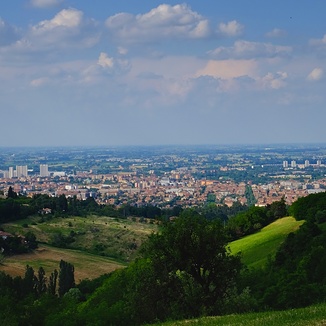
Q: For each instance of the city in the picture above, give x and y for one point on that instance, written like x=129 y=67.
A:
x=166 y=176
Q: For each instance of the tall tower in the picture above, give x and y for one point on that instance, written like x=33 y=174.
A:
x=44 y=170
x=11 y=172
x=21 y=171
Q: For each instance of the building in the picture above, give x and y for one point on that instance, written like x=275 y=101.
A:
x=21 y=171
x=293 y=164
x=11 y=172
x=285 y=164
x=44 y=170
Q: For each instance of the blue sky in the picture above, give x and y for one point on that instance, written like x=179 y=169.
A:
x=80 y=72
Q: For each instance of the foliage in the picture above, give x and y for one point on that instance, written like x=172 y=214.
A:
x=311 y=207
x=256 y=249
x=251 y=200
x=191 y=263
x=66 y=277
x=255 y=218
x=183 y=271
x=297 y=275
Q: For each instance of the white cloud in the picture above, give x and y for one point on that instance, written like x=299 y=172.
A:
x=274 y=81
x=68 y=28
x=231 y=28
x=105 y=61
x=317 y=42
x=65 y=18
x=276 y=32
x=227 y=69
x=45 y=3
x=165 y=21
x=122 y=50
x=104 y=68
x=246 y=49
x=39 y=81
x=315 y=74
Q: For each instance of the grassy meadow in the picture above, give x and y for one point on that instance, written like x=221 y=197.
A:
x=99 y=244
x=86 y=265
x=257 y=248
x=310 y=316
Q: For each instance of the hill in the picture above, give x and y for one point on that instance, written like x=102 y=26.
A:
x=314 y=315
x=257 y=248
x=94 y=245
x=87 y=266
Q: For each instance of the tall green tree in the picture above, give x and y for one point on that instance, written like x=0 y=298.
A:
x=52 y=286
x=11 y=193
x=41 y=281
x=66 y=277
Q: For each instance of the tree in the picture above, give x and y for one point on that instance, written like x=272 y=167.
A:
x=41 y=281
x=52 y=286
x=62 y=203
x=251 y=200
x=191 y=263
x=29 y=281
x=66 y=277
x=30 y=238
x=11 y=193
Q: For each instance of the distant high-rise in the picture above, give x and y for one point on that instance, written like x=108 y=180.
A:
x=318 y=162
x=306 y=163
x=44 y=170
x=11 y=172
x=293 y=164
x=21 y=171
x=285 y=164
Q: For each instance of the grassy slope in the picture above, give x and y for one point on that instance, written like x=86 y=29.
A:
x=86 y=265
x=118 y=240
x=314 y=315
x=256 y=248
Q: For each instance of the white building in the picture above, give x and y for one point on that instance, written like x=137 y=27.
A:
x=44 y=170
x=21 y=171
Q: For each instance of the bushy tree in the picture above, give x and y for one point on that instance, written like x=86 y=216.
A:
x=191 y=263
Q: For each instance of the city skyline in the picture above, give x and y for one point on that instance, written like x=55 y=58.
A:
x=80 y=73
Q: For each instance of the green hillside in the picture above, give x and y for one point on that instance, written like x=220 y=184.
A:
x=94 y=245
x=314 y=315
x=256 y=248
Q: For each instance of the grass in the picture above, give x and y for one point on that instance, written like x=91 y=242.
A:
x=104 y=236
x=257 y=248
x=101 y=244
x=312 y=316
x=86 y=265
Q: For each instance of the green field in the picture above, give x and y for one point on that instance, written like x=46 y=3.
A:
x=100 y=244
x=255 y=249
x=310 y=316
x=87 y=266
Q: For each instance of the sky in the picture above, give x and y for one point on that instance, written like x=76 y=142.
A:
x=110 y=73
